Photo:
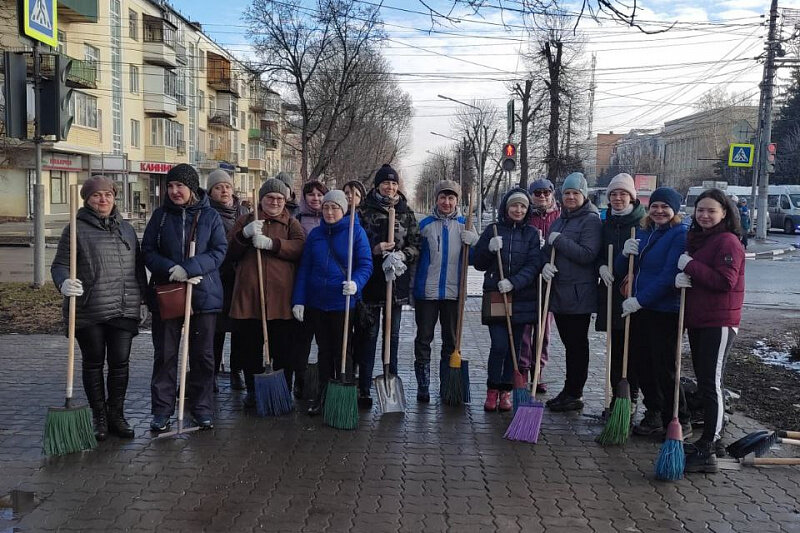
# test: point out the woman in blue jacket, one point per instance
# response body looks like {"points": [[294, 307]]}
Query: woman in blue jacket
{"points": [[654, 308], [185, 215], [321, 284], [518, 244]]}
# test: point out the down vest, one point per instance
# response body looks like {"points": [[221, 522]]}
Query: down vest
{"points": [[522, 262], [109, 266]]}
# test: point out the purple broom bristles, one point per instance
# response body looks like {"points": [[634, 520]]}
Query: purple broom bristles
{"points": [[526, 423]]}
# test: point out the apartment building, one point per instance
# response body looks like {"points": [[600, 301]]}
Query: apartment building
{"points": [[151, 90]]}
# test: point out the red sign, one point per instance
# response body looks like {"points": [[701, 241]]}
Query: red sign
{"points": [[645, 182], [61, 162], [152, 167]]}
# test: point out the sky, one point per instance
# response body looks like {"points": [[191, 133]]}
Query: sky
{"points": [[641, 80]]}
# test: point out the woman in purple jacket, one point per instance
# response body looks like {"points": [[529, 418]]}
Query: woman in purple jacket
{"points": [[713, 272]]}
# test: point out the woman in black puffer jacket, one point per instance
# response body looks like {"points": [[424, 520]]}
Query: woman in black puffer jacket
{"points": [[109, 287]]}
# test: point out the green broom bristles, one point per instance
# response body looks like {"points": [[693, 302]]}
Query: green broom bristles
{"points": [[68, 430], [341, 406], [453, 393], [671, 459], [618, 424]]}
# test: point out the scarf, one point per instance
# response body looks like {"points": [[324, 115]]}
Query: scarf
{"points": [[439, 215], [385, 201], [627, 211], [697, 239]]}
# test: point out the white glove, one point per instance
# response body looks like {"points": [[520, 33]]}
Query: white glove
{"points": [[195, 280], [552, 237], [394, 261], [253, 228], [606, 275], [630, 306], [178, 273], [262, 242], [683, 260], [469, 237], [504, 286], [631, 247], [541, 238], [298, 311], [495, 244], [349, 288], [549, 272], [72, 287], [683, 281], [143, 312]]}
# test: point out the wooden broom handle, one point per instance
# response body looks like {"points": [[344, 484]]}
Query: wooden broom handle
{"points": [[462, 284], [73, 272], [790, 434], [345, 327], [678, 348], [626, 343], [387, 323], [261, 289], [609, 310], [506, 308], [758, 461], [185, 339], [541, 324]]}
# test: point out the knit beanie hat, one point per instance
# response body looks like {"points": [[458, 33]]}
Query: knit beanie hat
{"points": [[577, 182], [355, 184], [337, 197], [97, 183], [518, 196], [669, 196], [273, 185], [385, 173], [446, 186], [286, 178], [218, 176], [540, 185], [622, 182], [185, 174]]}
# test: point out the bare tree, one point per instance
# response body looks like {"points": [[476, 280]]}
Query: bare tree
{"points": [[480, 125]]}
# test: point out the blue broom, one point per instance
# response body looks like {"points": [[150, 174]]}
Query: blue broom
{"points": [[671, 458]]}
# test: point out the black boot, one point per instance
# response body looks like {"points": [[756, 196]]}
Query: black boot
{"points": [[422, 370], [701, 457], [117, 388], [250, 398], [237, 380], [94, 386], [100, 422], [117, 425]]}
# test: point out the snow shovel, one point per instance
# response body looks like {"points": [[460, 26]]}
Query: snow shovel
{"points": [[389, 387]]}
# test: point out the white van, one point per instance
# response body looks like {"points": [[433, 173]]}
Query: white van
{"points": [[783, 203], [731, 190]]}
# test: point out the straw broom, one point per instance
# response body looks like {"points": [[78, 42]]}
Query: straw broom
{"points": [[619, 421], [671, 458], [69, 429]]}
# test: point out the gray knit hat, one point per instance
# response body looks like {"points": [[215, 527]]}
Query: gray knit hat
{"points": [[337, 197], [273, 185], [446, 185], [286, 178], [218, 176]]}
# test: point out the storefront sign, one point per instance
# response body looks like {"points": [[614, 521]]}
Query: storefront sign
{"points": [[151, 167], [61, 162]]}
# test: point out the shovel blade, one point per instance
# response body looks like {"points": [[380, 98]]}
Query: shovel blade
{"points": [[391, 397]]}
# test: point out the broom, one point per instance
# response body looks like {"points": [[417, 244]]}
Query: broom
{"points": [[609, 324], [341, 399], [671, 458], [453, 393], [619, 421], [271, 391], [69, 429]]}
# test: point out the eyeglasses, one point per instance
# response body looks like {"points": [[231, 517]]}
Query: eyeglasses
{"points": [[542, 192], [275, 199]]}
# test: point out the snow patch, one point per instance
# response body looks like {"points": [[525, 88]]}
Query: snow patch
{"points": [[771, 356]]}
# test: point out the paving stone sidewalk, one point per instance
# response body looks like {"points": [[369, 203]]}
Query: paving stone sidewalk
{"points": [[435, 469]]}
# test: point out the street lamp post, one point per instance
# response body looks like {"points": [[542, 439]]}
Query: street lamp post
{"points": [[460, 157]]}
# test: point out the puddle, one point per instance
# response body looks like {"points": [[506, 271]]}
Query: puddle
{"points": [[15, 505]]}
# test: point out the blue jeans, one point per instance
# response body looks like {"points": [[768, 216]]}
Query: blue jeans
{"points": [[500, 366], [369, 345]]}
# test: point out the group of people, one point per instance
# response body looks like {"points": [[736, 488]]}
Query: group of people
{"points": [[311, 266]]}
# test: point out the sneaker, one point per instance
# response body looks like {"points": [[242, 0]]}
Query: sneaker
{"points": [[700, 457], [492, 398], [364, 400], [203, 421], [159, 423], [650, 425], [505, 401], [566, 403]]}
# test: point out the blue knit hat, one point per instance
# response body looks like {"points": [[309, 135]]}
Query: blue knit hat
{"points": [[669, 196], [540, 185], [576, 181]]}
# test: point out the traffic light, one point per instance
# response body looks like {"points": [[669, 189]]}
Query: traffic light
{"points": [[772, 149], [509, 159], [56, 118], [15, 95]]}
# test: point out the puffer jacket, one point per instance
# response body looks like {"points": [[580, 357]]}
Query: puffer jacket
{"points": [[439, 266], [616, 230], [375, 220], [307, 217], [522, 261], [323, 266], [574, 290], [110, 266], [655, 267], [227, 272], [165, 244]]}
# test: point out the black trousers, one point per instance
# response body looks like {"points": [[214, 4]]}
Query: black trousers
{"points": [[328, 328], [167, 348], [710, 348], [280, 347], [219, 346], [574, 333], [617, 348], [427, 313], [302, 337], [654, 337], [98, 343]]}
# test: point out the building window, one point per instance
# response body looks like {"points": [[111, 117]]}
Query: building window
{"points": [[92, 56], [201, 100], [165, 132], [242, 123], [156, 132], [170, 83], [133, 25], [84, 110], [212, 105], [136, 128], [134, 74], [58, 187], [201, 141], [202, 58], [242, 152]]}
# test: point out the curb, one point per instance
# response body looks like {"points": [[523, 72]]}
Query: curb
{"points": [[769, 253]]}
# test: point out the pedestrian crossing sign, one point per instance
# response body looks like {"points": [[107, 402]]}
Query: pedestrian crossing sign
{"points": [[741, 155], [40, 20]]}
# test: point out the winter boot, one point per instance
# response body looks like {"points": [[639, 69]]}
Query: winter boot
{"points": [[94, 385], [237, 380], [250, 384], [651, 425], [117, 425], [492, 397], [117, 388], [505, 401], [422, 369], [701, 457], [100, 422]]}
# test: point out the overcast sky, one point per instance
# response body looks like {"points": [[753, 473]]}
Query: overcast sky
{"points": [[642, 80]]}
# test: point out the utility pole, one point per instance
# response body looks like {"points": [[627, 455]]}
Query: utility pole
{"points": [[592, 86], [38, 189], [765, 121]]}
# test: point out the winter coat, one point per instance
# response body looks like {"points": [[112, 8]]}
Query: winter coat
{"points": [[323, 266], [574, 290], [522, 262], [375, 219], [655, 267], [165, 244], [279, 267], [616, 230], [110, 266], [439, 266], [543, 220], [717, 272], [307, 217], [227, 272]]}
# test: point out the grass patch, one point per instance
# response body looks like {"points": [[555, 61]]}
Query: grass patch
{"points": [[28, 310]]}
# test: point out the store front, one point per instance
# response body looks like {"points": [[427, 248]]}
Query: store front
{"points": [[151, 185]]}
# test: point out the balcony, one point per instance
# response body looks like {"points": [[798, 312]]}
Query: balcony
{"points": [[222, 120], [159, 42], [256, 164], [180, 53], [228, 157], [272, 144], [82, 74], [160, 104], [77, 10], [224, 85]]}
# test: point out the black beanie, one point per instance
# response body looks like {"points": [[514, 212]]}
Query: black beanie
{"points": [[385, 173], [185, 174]]}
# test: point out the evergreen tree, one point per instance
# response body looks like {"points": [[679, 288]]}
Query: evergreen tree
{"points": [[786, 133]]}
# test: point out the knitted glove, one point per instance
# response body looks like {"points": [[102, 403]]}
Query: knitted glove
{"points": [[631, 247], [298, 311], [552, 237], [505, 286], [495, 244], [469, 237], [684, 260], [349, 288], [177, 273], [606, 275], [549, 272], [262, 242], [253, 228], [683, 281], [72, 287], [630, 306]]}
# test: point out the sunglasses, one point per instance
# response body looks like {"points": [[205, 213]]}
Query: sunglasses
{"points": [[540, 192]]}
